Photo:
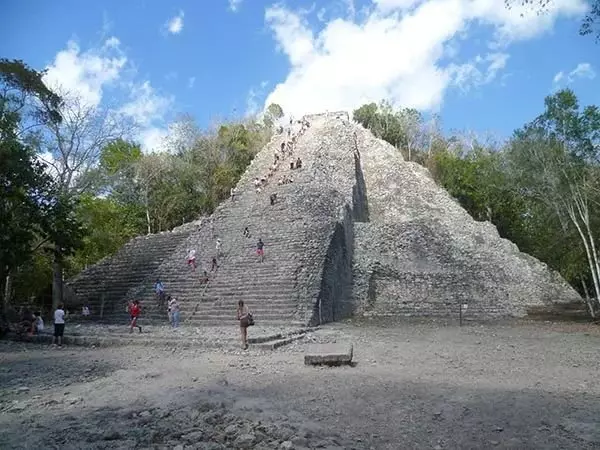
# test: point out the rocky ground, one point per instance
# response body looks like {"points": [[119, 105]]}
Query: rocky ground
{"points": [[421, 386]]}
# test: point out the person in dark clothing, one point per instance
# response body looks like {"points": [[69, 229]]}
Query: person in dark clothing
{"points": [[214, 266], [298, 163], [260, 249], [204, 278], [273, 198]]}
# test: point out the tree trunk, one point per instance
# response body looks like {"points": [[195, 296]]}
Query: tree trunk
{"points": [[6, 291], [148, 214], [57, 280], [588, 301], [588, 252], [148, 220]]}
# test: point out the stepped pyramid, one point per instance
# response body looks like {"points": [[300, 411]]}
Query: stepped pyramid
{"points": [[359, 231]]}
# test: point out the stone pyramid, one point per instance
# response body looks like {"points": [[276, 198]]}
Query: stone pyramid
{"points": [[359, 231]]}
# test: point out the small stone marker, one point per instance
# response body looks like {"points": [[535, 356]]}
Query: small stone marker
{"points": [[329, 354]]}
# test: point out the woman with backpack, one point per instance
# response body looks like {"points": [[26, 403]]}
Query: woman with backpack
{"points": [[246, 320]]}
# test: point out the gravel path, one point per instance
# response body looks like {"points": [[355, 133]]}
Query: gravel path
{"points": [[421, 386]]}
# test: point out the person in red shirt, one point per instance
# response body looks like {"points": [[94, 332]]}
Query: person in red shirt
{"points": [[134, 313]]}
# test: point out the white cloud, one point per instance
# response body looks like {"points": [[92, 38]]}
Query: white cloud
{"points": [[469, 75], [234, 5], [146, 106], [558, 77], [254, 97], [396, 51], [175, 24], [85, 74], [391, 5], [191, 82], [153, 139], [583, 70]]}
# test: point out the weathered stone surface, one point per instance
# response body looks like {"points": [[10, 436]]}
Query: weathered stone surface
{"points": [[329, 354], [421, 253], [359, 231]]}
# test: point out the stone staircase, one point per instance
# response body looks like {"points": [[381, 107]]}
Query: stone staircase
{"points": [[295, 245], [102, 285]]}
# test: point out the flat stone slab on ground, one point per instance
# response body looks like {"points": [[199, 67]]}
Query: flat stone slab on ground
{"points": [[329, 354]]}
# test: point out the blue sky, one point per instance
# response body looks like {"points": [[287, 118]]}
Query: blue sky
{"points": [[480, 66]]}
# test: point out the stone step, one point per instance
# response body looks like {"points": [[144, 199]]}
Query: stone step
{"points": [[228, 291], [219, 293], [264, 340], [275, 344], [256, 308], [202, 321], [232, 316], [266, 307]]}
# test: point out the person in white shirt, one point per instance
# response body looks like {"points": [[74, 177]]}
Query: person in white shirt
{"points": [[59, 325], [191, 258], [218, 246]]}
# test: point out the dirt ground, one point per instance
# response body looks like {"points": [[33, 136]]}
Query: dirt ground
{"points": [[414, 386]]}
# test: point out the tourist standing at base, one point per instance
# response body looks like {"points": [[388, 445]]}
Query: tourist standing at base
{"points": [[243, 315], [59, 325], [134, 313]]}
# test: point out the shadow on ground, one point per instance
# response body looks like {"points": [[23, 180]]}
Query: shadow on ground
{"points": [[47, 370], [422, 415]]}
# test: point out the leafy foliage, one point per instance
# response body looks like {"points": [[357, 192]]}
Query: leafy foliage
{"points": [[32, 208]]}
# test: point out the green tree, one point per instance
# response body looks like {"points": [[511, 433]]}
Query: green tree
{"points": [[31, 206], [403, 128], [273, 113], [74, 145], [118, 161], [109, 225], [556, 159]]}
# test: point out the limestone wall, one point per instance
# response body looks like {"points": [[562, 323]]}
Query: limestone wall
{"points": [[422, 254], [105, 285]]}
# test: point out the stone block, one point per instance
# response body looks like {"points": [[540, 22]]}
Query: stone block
{"points": [[329, 354]]}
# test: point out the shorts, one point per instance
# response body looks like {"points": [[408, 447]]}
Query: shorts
{"points": [[59, 329], [260, 252]]}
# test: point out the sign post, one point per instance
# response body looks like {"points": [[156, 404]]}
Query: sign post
{"points": [[464, 306]]}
